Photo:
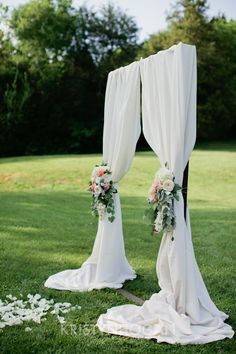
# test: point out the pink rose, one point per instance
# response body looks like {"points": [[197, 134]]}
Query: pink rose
{"points": [[158, 184]]}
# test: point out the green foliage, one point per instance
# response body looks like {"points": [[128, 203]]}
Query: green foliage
{"points": [[62, 55], [54, 61]]}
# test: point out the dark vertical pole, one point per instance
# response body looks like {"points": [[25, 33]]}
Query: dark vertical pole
{"points": [[185, 188]]}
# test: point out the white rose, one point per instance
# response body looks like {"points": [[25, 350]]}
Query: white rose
{"points": [[97, 190], [163, 174], [168, 185]]}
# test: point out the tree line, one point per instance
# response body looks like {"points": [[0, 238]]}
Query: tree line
{"points": [[54, 61]]}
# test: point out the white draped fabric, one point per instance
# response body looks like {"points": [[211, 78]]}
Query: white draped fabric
{"points": [[107, 267], [182, 312]]}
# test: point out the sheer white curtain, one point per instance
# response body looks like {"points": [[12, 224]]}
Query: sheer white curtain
{"points": [[182, 312], [107, 267]]}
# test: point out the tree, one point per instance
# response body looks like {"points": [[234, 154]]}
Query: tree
{"points": [[54, 61], [63, 55], [215, 43]]}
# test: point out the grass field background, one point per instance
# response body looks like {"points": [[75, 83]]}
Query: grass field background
{"points": [[46, 227]]}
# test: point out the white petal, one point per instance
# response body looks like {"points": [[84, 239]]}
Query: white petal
{"points": [[28, 329]]}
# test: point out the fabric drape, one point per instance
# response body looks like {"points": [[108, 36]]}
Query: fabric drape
{"points": [[182, 312], [107, 267]]}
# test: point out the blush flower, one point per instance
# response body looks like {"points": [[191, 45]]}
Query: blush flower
{"points": [[153, 197]]}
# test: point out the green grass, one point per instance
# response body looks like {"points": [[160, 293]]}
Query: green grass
{"points": [[46, 227]]}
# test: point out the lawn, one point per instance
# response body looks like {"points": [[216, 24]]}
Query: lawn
{"points": [[46, 227]]}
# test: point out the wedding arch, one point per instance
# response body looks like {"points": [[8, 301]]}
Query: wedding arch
{"points": [[182, 312]]}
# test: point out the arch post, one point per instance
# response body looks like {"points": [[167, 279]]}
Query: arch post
{"points": [[185, 188]]}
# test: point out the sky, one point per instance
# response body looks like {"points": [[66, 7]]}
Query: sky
{"points": [[150, 14]]}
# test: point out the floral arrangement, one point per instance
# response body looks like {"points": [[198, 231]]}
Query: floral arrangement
{"points": [[163, 192], [102, 188]]}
